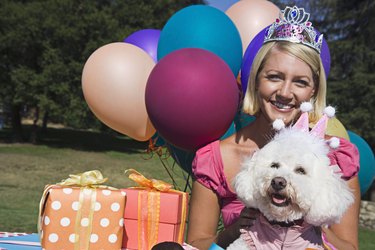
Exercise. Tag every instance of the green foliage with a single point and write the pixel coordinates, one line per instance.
(352, 81)
(44, 45)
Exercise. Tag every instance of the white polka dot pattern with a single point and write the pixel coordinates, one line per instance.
(60, 218)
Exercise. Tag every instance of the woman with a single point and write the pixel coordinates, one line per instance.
(286, 72)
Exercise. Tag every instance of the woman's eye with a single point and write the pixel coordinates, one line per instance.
(302, 83)
(273, 77)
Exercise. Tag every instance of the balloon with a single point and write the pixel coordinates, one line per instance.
(204, 27)
(251, 16)
(248, 58)
(325, 56)
(182, 157)
(113, 82)
(240, 120)
(366, 161)
(335, 128)
(255, 45)
(222, 5)
(191, 97)
(147, 40)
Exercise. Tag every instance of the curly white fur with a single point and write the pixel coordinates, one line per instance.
(313, 189)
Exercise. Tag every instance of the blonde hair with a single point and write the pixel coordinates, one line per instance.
(251, 103)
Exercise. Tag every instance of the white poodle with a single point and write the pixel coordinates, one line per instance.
(291, 182)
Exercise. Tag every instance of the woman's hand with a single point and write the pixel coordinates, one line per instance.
(246, 220)
(247, 217)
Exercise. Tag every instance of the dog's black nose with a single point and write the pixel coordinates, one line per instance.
(278, 183)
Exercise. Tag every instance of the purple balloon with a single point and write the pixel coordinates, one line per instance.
(255, 45)
(147, 40)
(325, 56)
(191, 97)
(248, 58)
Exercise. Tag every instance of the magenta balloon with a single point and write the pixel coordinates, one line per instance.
(147, 40)
(191, 97)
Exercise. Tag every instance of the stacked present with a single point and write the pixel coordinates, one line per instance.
(82, 213)
(154, 213)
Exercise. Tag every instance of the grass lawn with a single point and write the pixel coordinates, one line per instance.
(25, 169)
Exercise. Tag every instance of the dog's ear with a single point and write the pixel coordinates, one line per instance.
(333, 197)
(244, 182)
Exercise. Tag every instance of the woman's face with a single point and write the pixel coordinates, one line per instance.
(284, 82)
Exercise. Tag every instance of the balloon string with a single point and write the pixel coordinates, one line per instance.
(164, 153)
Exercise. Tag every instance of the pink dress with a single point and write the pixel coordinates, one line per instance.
(264, 236)
(208, 170)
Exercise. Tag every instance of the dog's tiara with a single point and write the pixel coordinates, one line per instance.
(319, 128)
(293, 25)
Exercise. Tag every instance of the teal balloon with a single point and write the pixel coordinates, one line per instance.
(240, 120)
(366, 173)
(204, 27)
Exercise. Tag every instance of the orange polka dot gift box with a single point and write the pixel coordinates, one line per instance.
(154, 213)
(82, 213)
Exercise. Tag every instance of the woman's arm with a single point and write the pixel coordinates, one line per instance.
(345, 234)
(203, 217)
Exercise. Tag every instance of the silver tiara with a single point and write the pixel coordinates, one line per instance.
(294, 26)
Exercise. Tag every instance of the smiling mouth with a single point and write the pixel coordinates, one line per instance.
(282, 106)
(279, 200)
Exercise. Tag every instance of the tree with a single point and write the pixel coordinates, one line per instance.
(45, 43)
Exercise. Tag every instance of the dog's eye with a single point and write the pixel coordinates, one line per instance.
(275, 165)
(300, 170)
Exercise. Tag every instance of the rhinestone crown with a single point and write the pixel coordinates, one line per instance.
(294, 26)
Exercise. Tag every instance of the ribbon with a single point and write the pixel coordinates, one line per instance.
(149, 208)
(152, 184)
(90, 180)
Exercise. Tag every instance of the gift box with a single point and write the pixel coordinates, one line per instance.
(154, 213)
(81, 213)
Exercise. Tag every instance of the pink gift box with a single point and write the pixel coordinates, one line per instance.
(171, 217)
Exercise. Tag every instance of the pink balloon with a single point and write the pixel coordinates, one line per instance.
(191, 97)
(113, 82)
(251, 16)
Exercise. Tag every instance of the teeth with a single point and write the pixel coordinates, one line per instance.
(282, 106)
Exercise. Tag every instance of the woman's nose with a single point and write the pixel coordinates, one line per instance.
(285, 90)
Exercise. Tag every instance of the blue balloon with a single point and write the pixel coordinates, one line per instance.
(240, 120)
(222, 5)
(204, 27)
(366, 161)
(183, 158)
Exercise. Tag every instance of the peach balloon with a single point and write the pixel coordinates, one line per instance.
(251, 16)
(113, 82)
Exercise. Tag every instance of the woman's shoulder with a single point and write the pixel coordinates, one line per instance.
(207, 165)
(208, 169)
